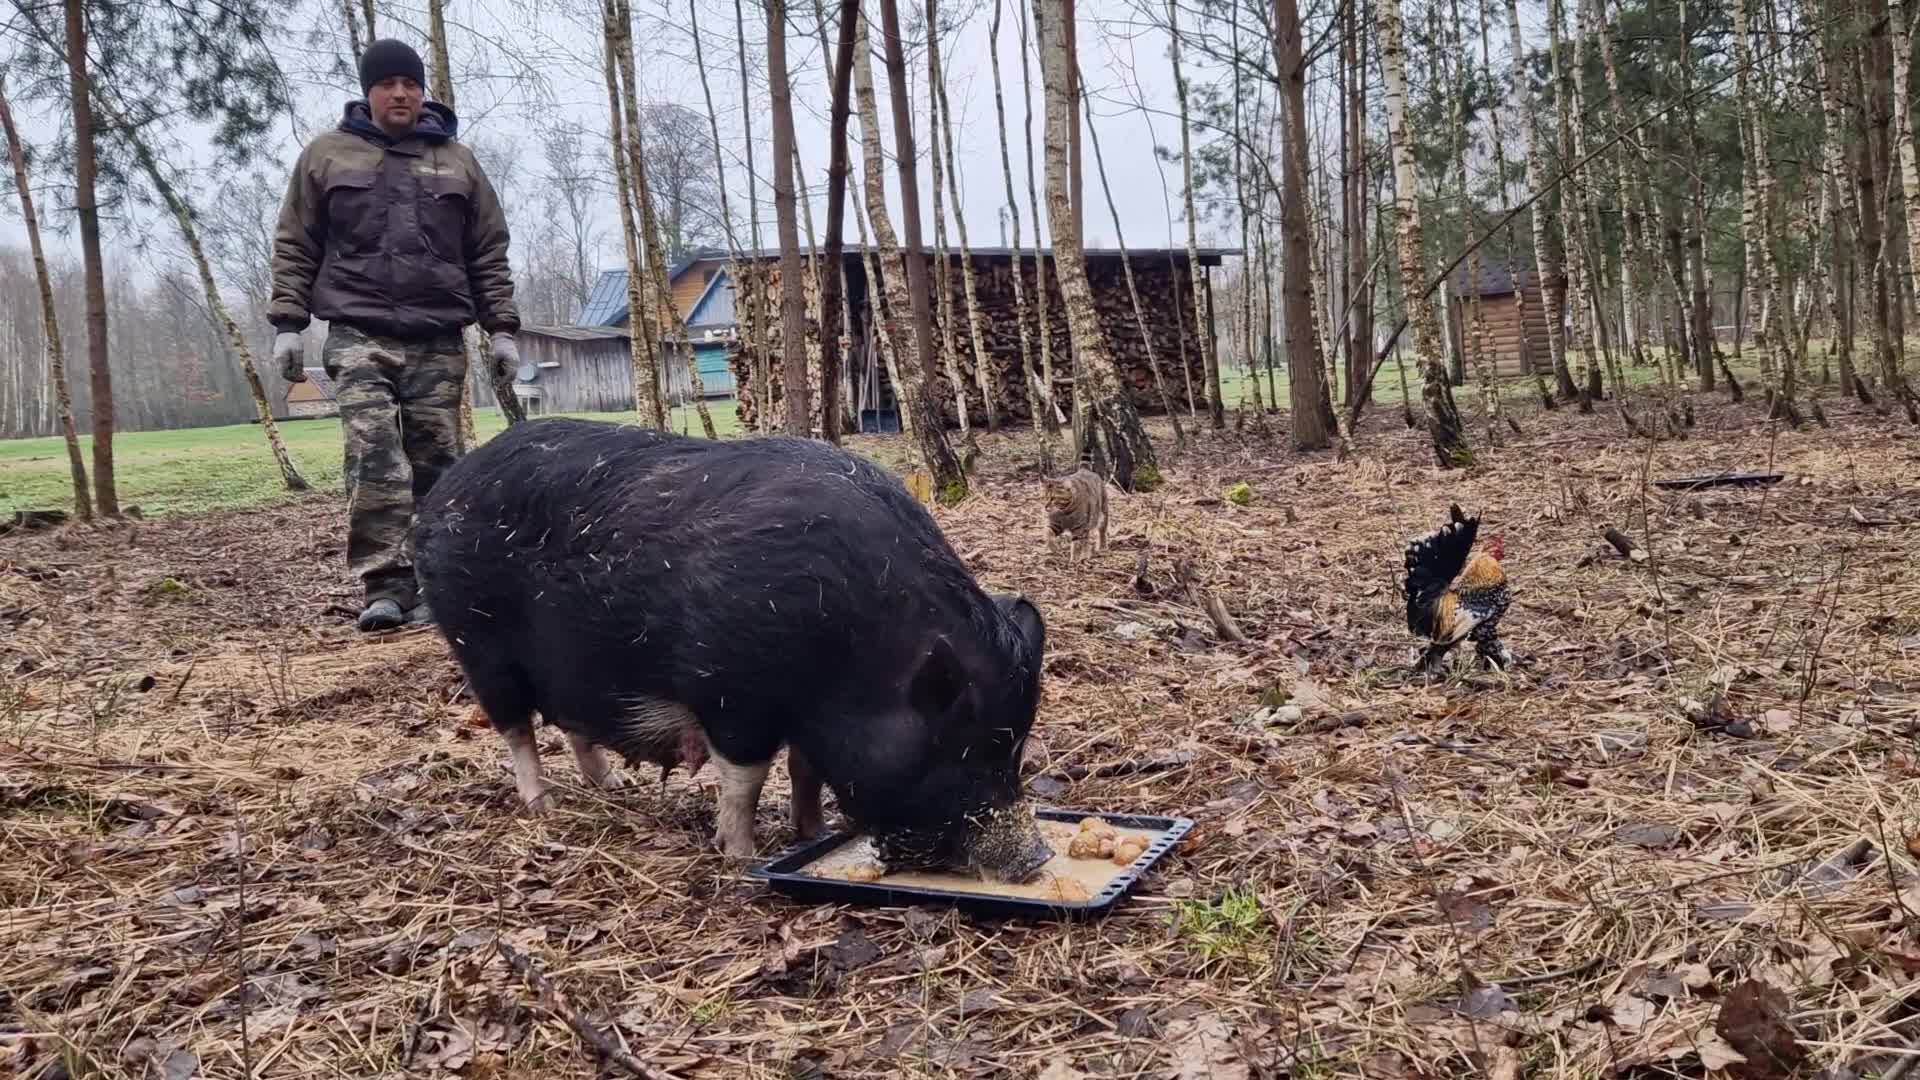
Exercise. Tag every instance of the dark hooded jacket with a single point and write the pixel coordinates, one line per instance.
(400, 238)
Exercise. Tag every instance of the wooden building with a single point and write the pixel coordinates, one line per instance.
(313, 398)
(1163, 277)
(703, 301)
(576, 369)
(1520, 346)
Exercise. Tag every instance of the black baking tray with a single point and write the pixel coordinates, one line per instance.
(783, 874)
(1694, 483)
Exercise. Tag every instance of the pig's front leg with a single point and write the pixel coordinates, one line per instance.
(739, 798)
(593, 763)
(527, 780)
(809, 820)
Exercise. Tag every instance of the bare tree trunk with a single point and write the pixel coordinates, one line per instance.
(1039, 396)
(49, 319)
(1133, 290)
(1306, 369)
(1129, 451)
(1756, 222)
(1895, 375)
(1246, 213)
(908, 286)
(1512, 103)
(1443, 417)
(942, 260)
(795, 388)
(647, 404)
(735, 268)
(1040, 260)
(79, 91)
(1203, 326)
(660, 304)
(1840, 216)
(1573, 215)
(982, 364)
(833, 276)
(762, 382)
(471, 334)
(354, 44)
(1637, 272)
(216, 306)
(1474, 336)
(1543, 258)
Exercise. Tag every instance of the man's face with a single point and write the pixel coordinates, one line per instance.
(395, 103)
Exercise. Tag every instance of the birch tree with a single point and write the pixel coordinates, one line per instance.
(1755, 223)
(1892, 373)
(49, 319)
(833, 277)
(183, 218)
(794, 390)
(641, 339)
(905, 279)
(982, 364)
(663, 313)
(1133, 290)
(1203, 326)
(1129, 451)
(1443, 417)
(1039, 395)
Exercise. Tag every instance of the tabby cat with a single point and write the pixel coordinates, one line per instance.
(1077, 505)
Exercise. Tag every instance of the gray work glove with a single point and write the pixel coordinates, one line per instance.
(506, 355)
(289, 353)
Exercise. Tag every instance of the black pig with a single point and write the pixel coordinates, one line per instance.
(662, 595)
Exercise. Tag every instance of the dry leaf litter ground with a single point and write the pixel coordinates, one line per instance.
(242, 839)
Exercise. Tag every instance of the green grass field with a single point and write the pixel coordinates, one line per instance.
(229, 467)
(220, 467)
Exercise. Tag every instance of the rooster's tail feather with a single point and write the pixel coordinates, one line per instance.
(1433, 561)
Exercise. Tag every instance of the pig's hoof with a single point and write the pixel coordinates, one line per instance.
(608, 780)
(737, 847)
(537, 802)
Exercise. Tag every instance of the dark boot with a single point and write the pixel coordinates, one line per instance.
(421, 615)
(382, 614)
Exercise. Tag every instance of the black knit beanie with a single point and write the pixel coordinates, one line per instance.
(386, 58)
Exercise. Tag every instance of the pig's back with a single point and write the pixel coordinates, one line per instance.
(615, 562)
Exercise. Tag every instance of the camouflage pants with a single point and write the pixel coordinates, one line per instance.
(400, 412)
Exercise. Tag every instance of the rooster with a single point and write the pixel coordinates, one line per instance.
(1446, 612)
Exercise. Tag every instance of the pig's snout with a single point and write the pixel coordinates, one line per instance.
(1009, 846)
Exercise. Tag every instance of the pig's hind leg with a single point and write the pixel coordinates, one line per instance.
(593, 764)
(504, 697)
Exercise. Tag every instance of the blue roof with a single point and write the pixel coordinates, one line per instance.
(607, 304)
(715, 306)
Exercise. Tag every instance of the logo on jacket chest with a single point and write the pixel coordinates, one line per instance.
(429, 168)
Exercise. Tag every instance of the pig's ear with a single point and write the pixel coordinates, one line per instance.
(939, 682)
(1027, 622)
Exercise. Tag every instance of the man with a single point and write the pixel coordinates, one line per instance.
(392, 233)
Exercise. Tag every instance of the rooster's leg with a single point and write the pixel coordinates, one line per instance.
(1433, 659)
(1488, 647)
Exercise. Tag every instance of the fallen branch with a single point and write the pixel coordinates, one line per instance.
(556, 1003)
(1200, 597)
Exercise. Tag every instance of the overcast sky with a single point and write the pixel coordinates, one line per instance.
(496, 42)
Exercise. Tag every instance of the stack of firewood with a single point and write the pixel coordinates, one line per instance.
(1166, 296)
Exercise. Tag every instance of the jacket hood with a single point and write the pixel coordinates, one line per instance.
(437, 123)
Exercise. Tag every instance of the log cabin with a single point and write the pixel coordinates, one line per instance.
(1519, 342)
